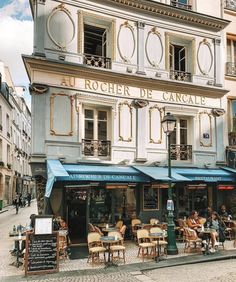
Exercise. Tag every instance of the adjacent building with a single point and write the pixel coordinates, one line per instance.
(15, 141)
(103, 75)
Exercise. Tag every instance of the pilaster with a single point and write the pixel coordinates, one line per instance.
(218, 63)
(140, 47)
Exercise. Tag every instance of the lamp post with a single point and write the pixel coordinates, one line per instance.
(168, 125)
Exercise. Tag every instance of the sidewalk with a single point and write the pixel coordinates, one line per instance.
(80, 266)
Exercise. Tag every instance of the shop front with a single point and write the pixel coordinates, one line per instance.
(83, 193)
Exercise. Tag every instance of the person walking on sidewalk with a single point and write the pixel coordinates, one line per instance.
(28, 198)
(16, 203)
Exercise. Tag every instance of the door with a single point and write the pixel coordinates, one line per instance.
(77, 215)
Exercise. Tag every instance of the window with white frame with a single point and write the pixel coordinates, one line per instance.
(179, 140)
(96, 40)
(95, 142)
(182, 4)
(231, 55)
(180, 59)
(0, 149)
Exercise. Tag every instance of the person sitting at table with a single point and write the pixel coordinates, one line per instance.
(223, 212)
(193, 221)
(218, 228)
(62, 224)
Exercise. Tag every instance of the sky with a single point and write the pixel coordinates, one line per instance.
(16, 30)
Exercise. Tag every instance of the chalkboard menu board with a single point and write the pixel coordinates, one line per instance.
(41, 253)
(150, 198)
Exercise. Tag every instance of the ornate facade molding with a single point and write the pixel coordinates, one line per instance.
(218, 112)
(153, 127)
(180, 15)
(38, 89)
(140, 103)
(52, 111)
(124, 126)
(205, 138)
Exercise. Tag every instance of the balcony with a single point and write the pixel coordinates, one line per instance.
(96, 148)
(230, 68)
(8, 135)
(97, 61)
(177, 4)
(230, 4)
(181, 152)
(180, 75)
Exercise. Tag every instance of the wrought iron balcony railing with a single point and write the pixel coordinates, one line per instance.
(231, 68)
(176, 3)
(180, 75)
(97, 61)
(230, 4)
(96, 148)
(181, 152)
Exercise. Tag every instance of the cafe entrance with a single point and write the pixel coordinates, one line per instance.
(77, 199)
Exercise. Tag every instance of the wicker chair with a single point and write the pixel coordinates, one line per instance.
(97, 229)
(91, 228)
(118, 247)
(144, 243)
(192, 241)
(162, 242)
(62, 247)
(154, 221)
(134, 228)
(122, 231)
(119, 224)
(95, 247)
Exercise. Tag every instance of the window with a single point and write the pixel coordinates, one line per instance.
(96, 39)
(0, 118)
(180, 57)
(8, 154)
(231, 55)
(179, 139)
(230, 4)
(233, 116)
(183, 4)
(0, 149)
(150, 198)
(8, 124)
(96, 133)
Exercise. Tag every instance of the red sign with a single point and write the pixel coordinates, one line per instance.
(225, 187)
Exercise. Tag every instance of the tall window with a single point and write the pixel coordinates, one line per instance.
(8, 154)
(183, 4)
(179, 140)
(95, 141)
(8, 123)
(95, 124)
(0, 118)
(0, 149)
(177, 57)
(233, 116)
(231, 55)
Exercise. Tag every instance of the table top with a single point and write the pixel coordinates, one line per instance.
(110, 229)
(206, 230)
(158, 235)
(109, 239)
(103, 225)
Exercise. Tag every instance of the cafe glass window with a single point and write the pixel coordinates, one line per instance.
(150, 198)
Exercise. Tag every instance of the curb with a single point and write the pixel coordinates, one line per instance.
(2, 211)
(141, 267)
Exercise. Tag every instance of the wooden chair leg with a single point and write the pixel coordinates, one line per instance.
(143, 254)
(124, 255)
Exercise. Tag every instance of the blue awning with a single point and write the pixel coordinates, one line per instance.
(206, 175)
(98, 173)
(54, 171)
(161, 173)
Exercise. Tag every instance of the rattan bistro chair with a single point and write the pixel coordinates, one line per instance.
(162, 242)
(192, 241)
(117, 247)
(119, 224)
(134, 228)
(63, 247)
(95, 247)
(122, 231)
(144, 243)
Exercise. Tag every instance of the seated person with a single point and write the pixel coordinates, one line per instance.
(218, 228)
(193, 221)
(223, 212)
(62, 224)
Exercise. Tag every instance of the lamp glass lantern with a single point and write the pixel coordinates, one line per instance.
(168, 123)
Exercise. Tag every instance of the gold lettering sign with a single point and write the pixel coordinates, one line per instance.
(184, 98)
(121, 90)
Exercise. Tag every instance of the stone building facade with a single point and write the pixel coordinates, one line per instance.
(103, 75)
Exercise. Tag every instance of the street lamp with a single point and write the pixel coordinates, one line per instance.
(168, 125)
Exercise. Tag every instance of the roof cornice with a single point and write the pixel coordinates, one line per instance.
(172, 13)
(33, 63)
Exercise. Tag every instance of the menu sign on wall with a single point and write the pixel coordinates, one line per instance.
(41, 253)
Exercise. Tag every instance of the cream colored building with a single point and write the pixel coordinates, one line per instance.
(103, 75)
(15, 140)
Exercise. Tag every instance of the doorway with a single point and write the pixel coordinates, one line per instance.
(77, 214)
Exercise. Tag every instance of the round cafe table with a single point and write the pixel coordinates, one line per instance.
(158, 237)
(207, 232)
(108, 241)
